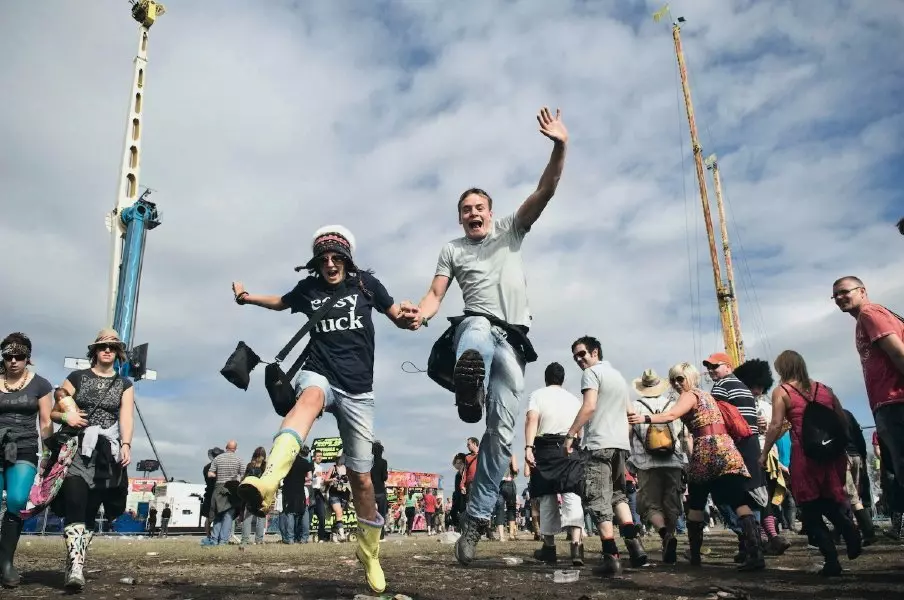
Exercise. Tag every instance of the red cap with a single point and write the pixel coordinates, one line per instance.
(716, 358)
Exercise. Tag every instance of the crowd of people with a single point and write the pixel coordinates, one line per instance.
(579, 450)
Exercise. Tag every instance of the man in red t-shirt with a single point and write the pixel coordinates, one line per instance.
(879, 336)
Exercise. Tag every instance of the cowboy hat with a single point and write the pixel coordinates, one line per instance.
(650, 385)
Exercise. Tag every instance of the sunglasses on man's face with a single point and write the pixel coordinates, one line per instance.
(579, 355)
(12, 357)
(106, 348)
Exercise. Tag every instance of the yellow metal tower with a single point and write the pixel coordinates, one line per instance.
(146, 12)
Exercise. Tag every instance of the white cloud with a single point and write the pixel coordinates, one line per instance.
(263, 123)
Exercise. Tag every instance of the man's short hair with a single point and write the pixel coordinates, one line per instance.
(851, 278)
(477, 191)
(554, 374)
(474, 441)
(589, 342)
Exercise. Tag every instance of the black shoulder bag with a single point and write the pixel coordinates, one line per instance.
(279, 384)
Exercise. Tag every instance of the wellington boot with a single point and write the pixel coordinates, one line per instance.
(754, 553)
(259, 493)
(9, 539)
(76, 549)
(695, 541)
(368, 554)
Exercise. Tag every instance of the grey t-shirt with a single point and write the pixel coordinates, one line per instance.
(490, 272)
(608, 427)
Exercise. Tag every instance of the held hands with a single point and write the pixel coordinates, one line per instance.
(410, 314)
(552, 127)
(125, 455)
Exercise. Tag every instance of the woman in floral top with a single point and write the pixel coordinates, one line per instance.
(716, 467)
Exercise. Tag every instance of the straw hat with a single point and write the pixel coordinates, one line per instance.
(105, 337)
(650, 385)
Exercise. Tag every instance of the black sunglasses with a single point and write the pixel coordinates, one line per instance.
(107, 348)
(18, 357)
(580, 354)
(678, 379)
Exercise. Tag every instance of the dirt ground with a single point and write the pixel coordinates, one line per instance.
(422, 568)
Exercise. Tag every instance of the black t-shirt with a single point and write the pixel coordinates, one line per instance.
(18, 411)
(342, 343)
(378, 475)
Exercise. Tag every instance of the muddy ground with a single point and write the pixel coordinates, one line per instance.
(422, 568)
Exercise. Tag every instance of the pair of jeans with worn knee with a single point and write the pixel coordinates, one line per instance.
(16, 479)
(504, 383)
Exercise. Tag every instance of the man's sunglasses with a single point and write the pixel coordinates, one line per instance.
(12, 357)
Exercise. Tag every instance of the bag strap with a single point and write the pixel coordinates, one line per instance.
(309, 324)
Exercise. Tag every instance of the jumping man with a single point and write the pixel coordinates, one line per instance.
(337, 377)
(491, 339)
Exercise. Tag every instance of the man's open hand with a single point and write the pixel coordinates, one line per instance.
(552, 127)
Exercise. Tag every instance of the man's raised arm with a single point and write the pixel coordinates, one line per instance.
(532, 208)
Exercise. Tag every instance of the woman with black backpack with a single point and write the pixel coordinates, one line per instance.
(818, 460)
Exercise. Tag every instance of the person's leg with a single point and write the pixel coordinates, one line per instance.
(16, 479)
(260, 529)
(287, 527)
(572, 520)
(811, 516)
(355, 419)
(303, 525)
(550, 526)
(626, 524)
(475, 345)
(247, 523)
(732, 490)
(227, 522)
(697, 494)
(314, 397)
(74, 493)
(506, 384)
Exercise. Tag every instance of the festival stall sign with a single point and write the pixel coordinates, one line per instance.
(139, 485)
(330, 447)
(412, 479)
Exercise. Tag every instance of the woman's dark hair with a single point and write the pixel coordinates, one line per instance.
(16, 337)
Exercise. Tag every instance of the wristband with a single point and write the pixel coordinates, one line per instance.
(647, 419)
(526, 447)
(64, 418)
(240, 298)
(569, 436)
(129, 444)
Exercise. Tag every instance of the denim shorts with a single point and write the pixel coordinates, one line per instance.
(354, 415)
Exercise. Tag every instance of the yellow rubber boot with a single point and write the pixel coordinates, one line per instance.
(368, 554)
(259, 493)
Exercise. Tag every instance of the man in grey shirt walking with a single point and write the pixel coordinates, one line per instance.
(227, 468)
(489, 369)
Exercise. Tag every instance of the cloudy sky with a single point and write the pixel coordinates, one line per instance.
(264, 121)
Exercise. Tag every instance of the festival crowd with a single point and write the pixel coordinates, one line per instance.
(691, 449)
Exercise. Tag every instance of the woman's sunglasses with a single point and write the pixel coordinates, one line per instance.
(12, 357)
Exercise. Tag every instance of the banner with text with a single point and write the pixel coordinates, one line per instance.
(330, 447)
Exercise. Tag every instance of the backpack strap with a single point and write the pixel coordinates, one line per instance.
(647, 406)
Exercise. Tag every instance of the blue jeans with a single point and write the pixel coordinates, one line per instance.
(295, 527)
(222, 527)
(259, 524)
(504, 384)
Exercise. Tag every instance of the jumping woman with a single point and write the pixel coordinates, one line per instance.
(337, 377)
